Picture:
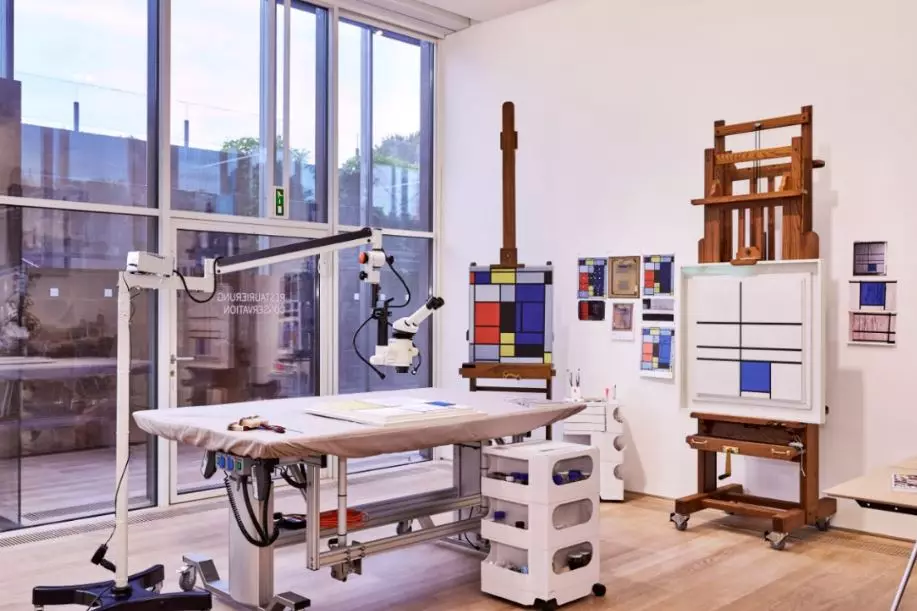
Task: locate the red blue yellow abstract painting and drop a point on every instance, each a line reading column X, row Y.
column 511, row 314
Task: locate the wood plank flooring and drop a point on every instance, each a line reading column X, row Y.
column 719, row 563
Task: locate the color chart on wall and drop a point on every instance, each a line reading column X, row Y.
column 873, row 312
column 593, row 278
column 658, row 354
column 658, row 275
column 511, row 314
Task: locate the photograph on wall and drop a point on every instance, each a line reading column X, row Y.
column 659, row 275
column 869, row 258
column 593, row 278
column 622, row 321
column 592, row 310
column 873, row 312
column 625, row 277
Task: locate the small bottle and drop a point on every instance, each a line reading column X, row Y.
column 510, row 479
column 575, row 475
column 558, row 479
column 520, row 524
column 499, row 516
column 524, row 570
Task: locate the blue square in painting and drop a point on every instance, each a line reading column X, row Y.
column 665, row 278
column 872, row 294
column 665, row 350
column 530, row 292
column 871, row 267
column 533, row 317
column 529, row 339
column 518, row 317
column 482, row 277
column 754, row 377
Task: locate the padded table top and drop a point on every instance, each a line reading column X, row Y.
column 306, row 435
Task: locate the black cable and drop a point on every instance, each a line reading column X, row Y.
column 235, row 513
column 99, row 597
column 403, row 283
column 190, row 294
column 246, row 498
column 288, row 479
column 357, row 350
column 419, row 363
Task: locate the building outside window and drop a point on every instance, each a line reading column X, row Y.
column 88, row 173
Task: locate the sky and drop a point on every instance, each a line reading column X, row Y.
column 95, row 52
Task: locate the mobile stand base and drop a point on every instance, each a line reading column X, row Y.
column 141, row 594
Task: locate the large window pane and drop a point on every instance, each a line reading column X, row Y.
column 73, row 117
column 307, row 198
column 216, row 72
column 58, row 331
column 385, row 129
column 256, row 339
column 413, row 262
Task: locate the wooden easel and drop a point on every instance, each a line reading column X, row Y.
column 475, row 371
column 778, row 440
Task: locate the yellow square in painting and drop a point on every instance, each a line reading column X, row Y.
column 503, row 277
column 655, row 362
column 591, row 292
column 507, row 338
column 654, row 331
column 657, row 287
column 656, row 259
column 507, row 351
column 547, row 357
column 590, row 262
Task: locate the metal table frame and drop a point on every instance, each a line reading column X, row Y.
column 250, row 584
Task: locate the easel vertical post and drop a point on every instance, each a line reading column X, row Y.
column 509, row 142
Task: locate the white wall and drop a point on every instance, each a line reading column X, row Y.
column 615, row 103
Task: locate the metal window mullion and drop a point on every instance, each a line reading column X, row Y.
column 328, row 123
column 268, row 103
column 366, row 164
column 287, row 26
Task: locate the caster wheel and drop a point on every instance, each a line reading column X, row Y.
column 187, row 577
column 777, row 540
column 404, row 527
column 823, row 524
column 598, row 589
column 680, row 521
column 546, row 605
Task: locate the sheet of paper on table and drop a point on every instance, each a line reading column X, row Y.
column 904, row 482
column 391, row 411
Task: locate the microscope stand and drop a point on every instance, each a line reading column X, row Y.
column 142, row 595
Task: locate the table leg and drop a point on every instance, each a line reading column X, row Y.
column 904, row 578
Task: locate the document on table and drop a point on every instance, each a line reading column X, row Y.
column 388, row 412
column 904, row 482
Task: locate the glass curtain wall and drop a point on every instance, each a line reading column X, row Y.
column 385, row 151
column 83, row 152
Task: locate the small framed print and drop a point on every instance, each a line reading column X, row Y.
column 622, row 321
column 625, row 277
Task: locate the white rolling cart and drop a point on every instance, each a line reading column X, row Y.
column 542, row 522
column 601, row 425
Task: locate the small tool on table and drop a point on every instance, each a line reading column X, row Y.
column 255, row 423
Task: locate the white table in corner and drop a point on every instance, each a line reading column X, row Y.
column 874, row 491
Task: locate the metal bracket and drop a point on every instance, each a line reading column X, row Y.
column 288, row 601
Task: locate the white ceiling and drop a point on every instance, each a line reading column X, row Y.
column 483, row 10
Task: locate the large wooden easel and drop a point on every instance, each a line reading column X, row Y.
column 476, row 371
column 778, row 440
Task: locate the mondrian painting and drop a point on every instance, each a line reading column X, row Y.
column 511, row 314
column 658, row 356
column 869, row 258
column 748, row 337
column 593, row 278
column 873, row 312
column 658, row 275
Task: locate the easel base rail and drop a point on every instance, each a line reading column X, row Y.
column 785, row 516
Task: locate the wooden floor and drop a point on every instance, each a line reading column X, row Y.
column 720, row 562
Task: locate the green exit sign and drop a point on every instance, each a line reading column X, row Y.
column 280, row 202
